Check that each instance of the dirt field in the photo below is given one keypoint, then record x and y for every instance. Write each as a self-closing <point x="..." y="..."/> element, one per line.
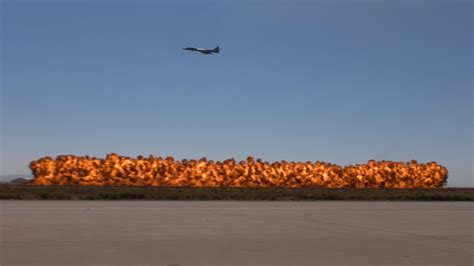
<point x="208" y="233"/>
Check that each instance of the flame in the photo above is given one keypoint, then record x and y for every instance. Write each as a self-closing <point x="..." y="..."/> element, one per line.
<point x="117" y="170"/>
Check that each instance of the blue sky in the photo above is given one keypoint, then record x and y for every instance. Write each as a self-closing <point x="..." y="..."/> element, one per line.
<point x="338" y="82"/>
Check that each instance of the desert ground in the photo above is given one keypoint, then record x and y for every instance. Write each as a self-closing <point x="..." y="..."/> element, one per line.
<point x="183" y="233"/>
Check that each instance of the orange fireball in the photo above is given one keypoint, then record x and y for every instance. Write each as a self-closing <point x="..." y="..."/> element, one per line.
<point x="116" y="170"/>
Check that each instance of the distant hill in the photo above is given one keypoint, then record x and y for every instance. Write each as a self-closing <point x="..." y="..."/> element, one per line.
<point x="8" y="178"/>
<point x="19" y="180"/>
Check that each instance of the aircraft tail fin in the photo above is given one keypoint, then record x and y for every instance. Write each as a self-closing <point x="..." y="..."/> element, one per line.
<point x="217" y="49"/>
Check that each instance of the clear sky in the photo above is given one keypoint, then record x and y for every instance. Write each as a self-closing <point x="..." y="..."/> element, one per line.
<point x="340" y="82"/>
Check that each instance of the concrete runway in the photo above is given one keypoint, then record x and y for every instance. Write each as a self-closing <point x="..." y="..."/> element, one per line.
<point x="235" y="233"/>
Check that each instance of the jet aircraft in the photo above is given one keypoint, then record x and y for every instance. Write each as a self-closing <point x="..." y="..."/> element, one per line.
<point x="202" y="50"/>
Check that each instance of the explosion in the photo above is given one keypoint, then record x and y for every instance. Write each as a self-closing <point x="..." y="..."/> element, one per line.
<point x="115" y="170"/>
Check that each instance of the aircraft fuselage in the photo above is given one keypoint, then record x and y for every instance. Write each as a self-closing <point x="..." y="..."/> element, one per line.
<point x="202" y="50"/>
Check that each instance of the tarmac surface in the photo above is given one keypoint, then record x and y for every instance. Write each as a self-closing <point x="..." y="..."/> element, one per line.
<point x="182" y="233"/>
